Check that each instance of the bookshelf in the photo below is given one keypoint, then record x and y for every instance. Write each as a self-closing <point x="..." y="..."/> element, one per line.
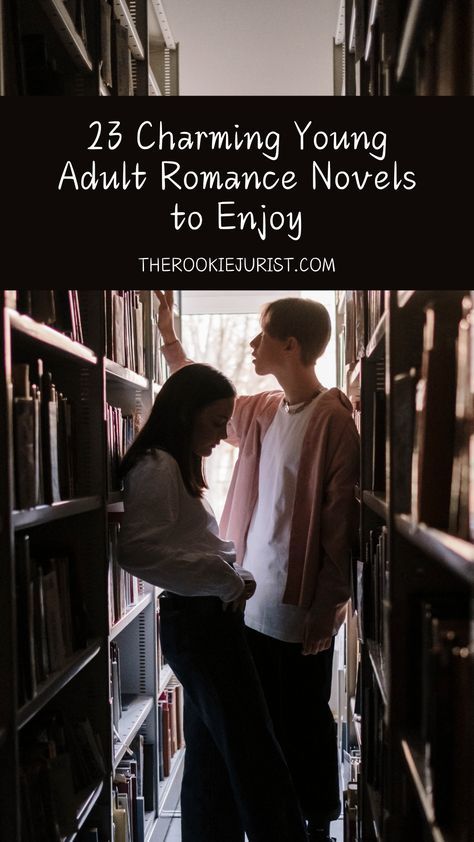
<point x="56" y="562"/>
<point x="413" y="581"/>
<point x="404" y="47"/>
<point x="86" y="48"/>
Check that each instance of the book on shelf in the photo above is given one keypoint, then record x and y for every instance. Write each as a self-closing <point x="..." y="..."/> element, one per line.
<point x="434" y="424"/>
<point x="445" y="718"/>
<point x="461" y="512"/>
<point x="59" y="309"/>
<point x="150" y="773"/>
<point x="55" y="771"/>
<point x="106" y="42"/>
<point x="403" y="427"/>
<point x="27" y="682"/>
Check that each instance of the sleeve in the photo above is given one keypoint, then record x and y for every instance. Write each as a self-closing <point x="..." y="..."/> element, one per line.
<point x="175" y="356"/>
<point x="152" y="546"/>
<point x="339" y="521"/>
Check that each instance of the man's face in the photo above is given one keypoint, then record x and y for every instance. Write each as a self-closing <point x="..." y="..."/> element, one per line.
<point x="267" y="352"/>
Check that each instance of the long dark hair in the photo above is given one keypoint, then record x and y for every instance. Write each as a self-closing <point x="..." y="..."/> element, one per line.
<point x="171" y="421"/>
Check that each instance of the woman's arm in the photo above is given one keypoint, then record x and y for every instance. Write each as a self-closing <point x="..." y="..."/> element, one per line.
<point x="153" y="547"/>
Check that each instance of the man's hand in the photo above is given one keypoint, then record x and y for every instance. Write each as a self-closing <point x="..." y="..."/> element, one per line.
<point x="315" y="639"/>
<point x="165" y="315"/>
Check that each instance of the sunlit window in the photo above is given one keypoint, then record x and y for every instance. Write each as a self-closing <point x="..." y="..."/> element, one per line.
<point x="222" y="340"/>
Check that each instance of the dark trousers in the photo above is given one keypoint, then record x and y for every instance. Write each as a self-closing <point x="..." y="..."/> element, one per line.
<point x="235" y="777"/>
<point x="297" y="690"/>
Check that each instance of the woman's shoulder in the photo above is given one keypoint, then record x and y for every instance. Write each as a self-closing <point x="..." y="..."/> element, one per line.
<point x="156" y="463"/>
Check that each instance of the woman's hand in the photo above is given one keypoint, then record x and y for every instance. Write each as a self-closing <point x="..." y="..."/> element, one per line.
<point x="165" y="315"/>
<point x="250" y="586"/>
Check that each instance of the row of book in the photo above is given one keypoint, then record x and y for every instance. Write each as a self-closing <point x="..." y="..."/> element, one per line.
<point x="61" y="763"/>
<point x="56" y="308"/>
<point x="160" y="368"/>
<point x="170" y="719"/>
<point x="116" y="59"/>
<point x="363" y="311"/>
<point x="134" y="785"/>
<point x="124" y="323"/>
<point x="444" y="52"/>
<point x="124" y="589"/>
<point x="51" y="617"/>
<point x="121" y="430"/>
<point x="115" y="684"/>
<point x="372" y="587"/>
<point x="445" y="717"/>
<point x="44" y="438"/>
<point x="433" y="422"/>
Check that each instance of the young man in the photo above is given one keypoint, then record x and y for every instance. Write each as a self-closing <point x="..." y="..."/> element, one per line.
<point x="291" y="513"/>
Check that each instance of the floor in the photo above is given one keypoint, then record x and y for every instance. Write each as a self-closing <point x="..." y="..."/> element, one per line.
<point x="174" y="832"/>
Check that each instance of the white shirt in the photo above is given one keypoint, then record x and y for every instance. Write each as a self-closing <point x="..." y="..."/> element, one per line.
<point x="268" y="538"/>
<point x="170" y="538"/>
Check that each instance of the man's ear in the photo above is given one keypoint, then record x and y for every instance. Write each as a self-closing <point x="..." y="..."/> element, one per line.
<point x="291" y="344"/>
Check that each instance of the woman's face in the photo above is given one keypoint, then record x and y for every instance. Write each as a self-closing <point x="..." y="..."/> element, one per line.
<point x="210" y="426"/>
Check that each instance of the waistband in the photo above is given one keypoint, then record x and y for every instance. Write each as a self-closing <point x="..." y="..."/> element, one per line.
<point x="200" y="604"/>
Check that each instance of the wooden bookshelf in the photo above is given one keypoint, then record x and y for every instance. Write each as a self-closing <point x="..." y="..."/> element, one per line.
<point x="408" y="47"/>
<point x="416" y="594"/>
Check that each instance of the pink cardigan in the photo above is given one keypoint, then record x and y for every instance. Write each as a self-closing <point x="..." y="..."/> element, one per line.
<point x="324" y="522"/>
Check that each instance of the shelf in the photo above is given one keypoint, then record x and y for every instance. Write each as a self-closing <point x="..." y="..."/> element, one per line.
<point x="166" y="673"/>
<point x="130" y="723"/>
<point x="133" y="612"/>
<point x="86" y="801"/>
<point x="404" y="296"/>
<point x="27" y="518"/>
<point x="372" y="16"/>
<point x="376" y="659"/>
<point x="376" y="502"/>
<point x="118" y="374"/>
<point x="124" y="16"/>
<point x="355" y="374"/>
<point x="456" y="554"/>
<point x="56" y="682"/>
<point x="67" y="32"/>
<point x="419" y="774"/>
<point x="167" y="785"/>
<point x="153" y="86"/>
<point x="412" y="20"/>
<point x="48" y="336"/>
<point x="375" y="809"/>
<point x="376" y="344"/>
<point x="115" y="497"/>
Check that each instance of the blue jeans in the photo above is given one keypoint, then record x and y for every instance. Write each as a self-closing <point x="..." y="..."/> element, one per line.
<point x="235" y="777"/>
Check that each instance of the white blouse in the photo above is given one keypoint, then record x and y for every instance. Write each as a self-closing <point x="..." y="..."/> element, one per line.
<point x="171" y="539"/>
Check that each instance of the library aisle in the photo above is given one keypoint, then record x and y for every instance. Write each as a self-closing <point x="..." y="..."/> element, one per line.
<point x="174" y="832"/>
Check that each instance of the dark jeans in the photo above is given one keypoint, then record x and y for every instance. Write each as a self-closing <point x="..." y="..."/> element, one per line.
<point x="297" y="689"/>
<point x="235" y="777"/>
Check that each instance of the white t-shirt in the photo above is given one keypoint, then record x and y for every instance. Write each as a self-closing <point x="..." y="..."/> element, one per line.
<point x="268" y="538"/>
<point x="170" y="538"/>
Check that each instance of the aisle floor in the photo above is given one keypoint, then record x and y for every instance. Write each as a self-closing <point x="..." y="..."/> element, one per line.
<point x="174" y="832"/>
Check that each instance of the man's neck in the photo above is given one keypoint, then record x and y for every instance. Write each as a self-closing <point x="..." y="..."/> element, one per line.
<point x="299" y="385"/>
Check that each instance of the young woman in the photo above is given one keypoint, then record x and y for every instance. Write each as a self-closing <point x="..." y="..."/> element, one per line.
<point x="235" y="778"/>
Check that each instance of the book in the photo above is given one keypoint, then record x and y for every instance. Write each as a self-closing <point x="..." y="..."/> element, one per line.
<point x="403" y="428"/>
<point x="434" y="424"/>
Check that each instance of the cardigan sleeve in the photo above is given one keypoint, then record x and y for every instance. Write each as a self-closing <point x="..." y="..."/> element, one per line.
<point x="338" y="531"/>
<point x="153" y="547"/>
